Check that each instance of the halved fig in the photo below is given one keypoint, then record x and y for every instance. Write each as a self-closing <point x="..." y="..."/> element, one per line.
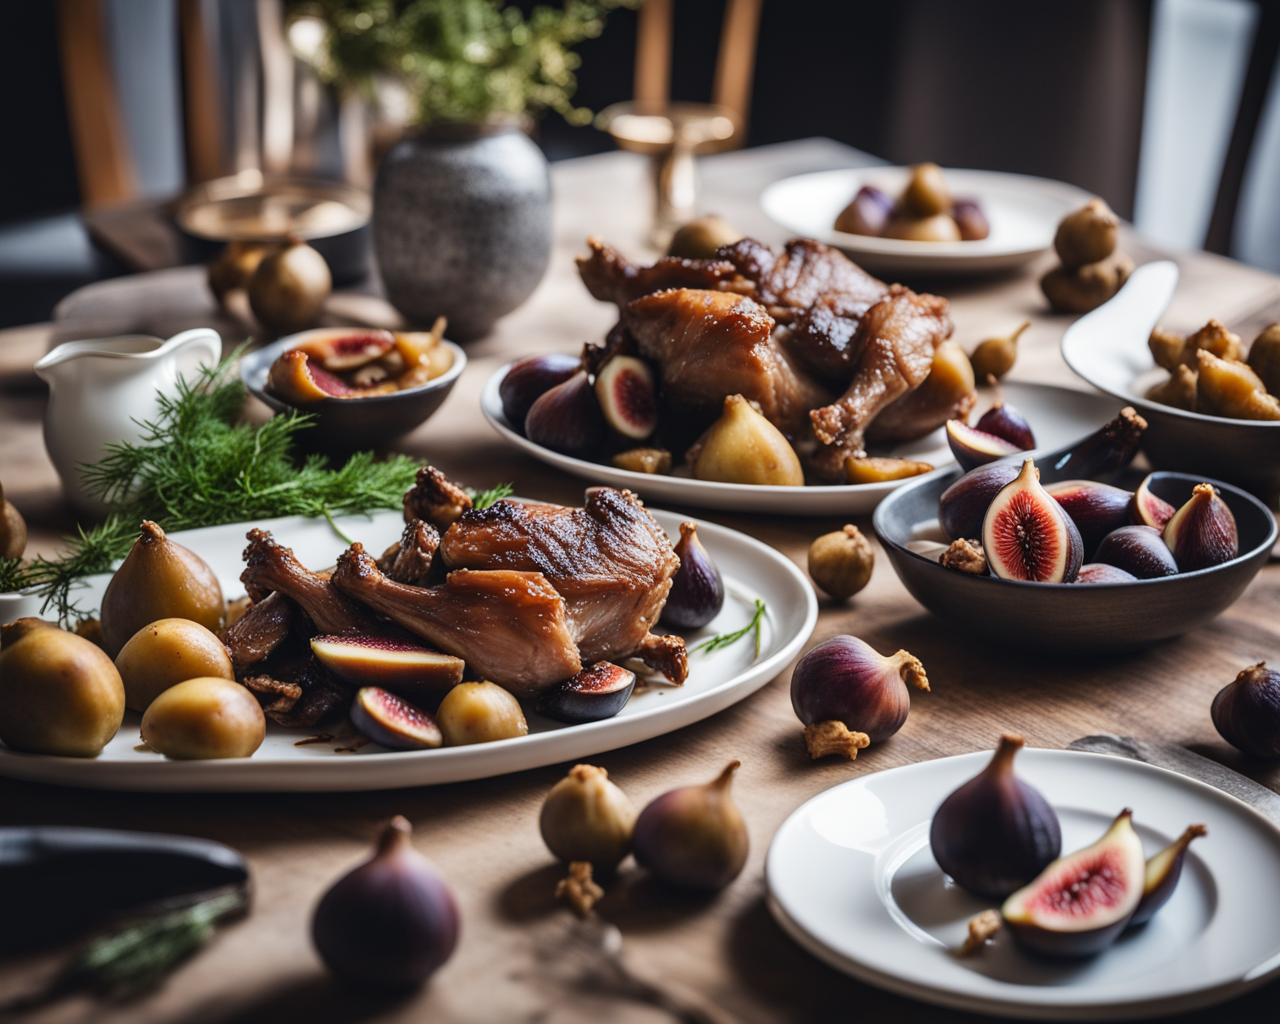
<point x="1095" y="508"/>
<point x="1027" y="536"/>
<point x="392" y="721"/>
<point x="1148" y="510"/>
<point x="599" y="691"/>
<point x="567" y="419"/>
<point x="1138" y="550"/>
<point x="1202" y="533"/>
<point x="1081" y="903"/>
<point x="300" y="380"/>
<point x="964" y="504"/>
<point x="1004" y="421"/>
<point x="628" y="397"/>
<point x="346" y="348"/>
<point x="398" y="665"/>
<point x="973" y="447"/>
<point x="1162" y="874"/>
<point x="530" y="379"/>
<point x="1099" y="572"/>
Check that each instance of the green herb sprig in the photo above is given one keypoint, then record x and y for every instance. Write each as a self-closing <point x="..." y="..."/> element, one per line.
<point x="483" y="499"/>
<point x="725" y="639"/>
<point x="198" y="465"/>
<point x="15" y="575"/>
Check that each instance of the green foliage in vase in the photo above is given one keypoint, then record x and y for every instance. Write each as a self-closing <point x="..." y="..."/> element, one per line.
<point x="461" y="60"/>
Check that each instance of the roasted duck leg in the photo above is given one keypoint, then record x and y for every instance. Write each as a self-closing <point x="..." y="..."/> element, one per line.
<point x="611" y="277"/>
<point x="272" y="567"/>
<point x="508" y="626"/>
<point x="409" y="560"/>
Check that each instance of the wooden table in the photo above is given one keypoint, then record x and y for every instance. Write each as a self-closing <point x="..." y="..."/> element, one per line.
<point x="519" y="958"/>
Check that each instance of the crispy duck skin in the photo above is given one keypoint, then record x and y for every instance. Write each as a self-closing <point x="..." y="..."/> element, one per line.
<point x="610" y="561"/>
<point x="510" y="627"/>
<point x="300" y="695"/>
<point x="707" y="345"/>
<point x="260" y="630"/>
<point x="611" y="277"/>
<point x="789" y="284"/>
<point x="410" y="559"/>
<point x="272" y="567"/>
<point x="435" y="499"/>
<point x="898" y="337"/>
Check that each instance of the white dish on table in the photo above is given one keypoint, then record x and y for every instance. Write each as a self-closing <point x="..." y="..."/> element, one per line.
<point x="1022" y="211"/>
<point x="716" y="680"/>
<point x="1058" y="416"/>
<point x="851" y="878"/>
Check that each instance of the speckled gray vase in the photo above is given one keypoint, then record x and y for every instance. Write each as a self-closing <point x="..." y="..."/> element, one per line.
<point x="462" y="225"/>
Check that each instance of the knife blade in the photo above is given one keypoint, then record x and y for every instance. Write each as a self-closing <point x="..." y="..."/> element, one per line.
<point x="1186" y="762"/>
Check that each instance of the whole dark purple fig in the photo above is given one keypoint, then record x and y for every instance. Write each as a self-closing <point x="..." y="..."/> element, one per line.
<point x="1139" y="551"/>
<point x="1100" y="572"/>
<point x="567" y="419"/>
<point x="529" y="379"/>
<point x="1095" y="508"/>
<point x="390" y="922"/>
<point x="868" y="214"/>
<point x="1202" y="533"/>
<point x="963" y="504"/>
<point x="693" y="837"/>
<point x="697" y="589"/>
<point x="1247" y="712"/>
<point x="995" y="833"/>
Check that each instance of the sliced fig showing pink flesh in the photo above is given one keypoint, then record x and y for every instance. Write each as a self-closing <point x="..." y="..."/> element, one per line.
<point x="393" y="722"/>
<point x="1162" y="874"/>
<point x="964" y="504"/>
<point x="300" y="380"/>
<point x="1027" y="536"/>
<point x="598" y="692"/>
<point x="1148" y="509"/>
<point x="398" y="665"/>
<point x="343" y="350"/>
<point x="1004" y="421"/>
<point x="1081" y="903"/>
<point x="1139" y="551"/>
<point x="628" y="397"/>
<point x="973" y="448"/>
<point x="1202" y="533"/>
<point x="1095" y="508"/>
<point x="1099" y="572"/>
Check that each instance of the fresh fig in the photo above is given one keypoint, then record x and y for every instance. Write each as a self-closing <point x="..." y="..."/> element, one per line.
<point x="694" y="837"/>
<point x="234" y="267"/>
<point x="995" y="833"/>
<point x="1246" y="712"/>
<point x="1095" y="508"/>
<point x="1099" y="572"/>
<point x="480" y="713"/>
<point x="973" y="447"/>
<point x="300" y="380"/>
<point x="1162" y="874"/>
<point x="971" y="221"/>
<point x="1146" y="509"/>
<point x="1027" y="536"/>
<point x="1004" y="421"/>
<point x="598" y="692"/>
<point x="994" y="357"/>
<point x="567" y="418"/>
<point x="343" y="349"/>
<point x="702" y="238"/>
<point x="392" y="721"/>
<point x="400" y="666"/>
<point x="529" y="379"/>
<point x="846" y="681"/>
<point x="743" y="447"/>
<point x="628" y="397"/>
<point x="697" y="589"/>
<point x="868" y="214"/>
<point x="841" y="562"/>
<point x="587" y="817"/>
<point x="1202" y="533"/>
<point x="964" y="504"/>
<point x="1109" y="448"/>
<point x="13" y="529"/>
<point x="873" y="470"/>
<point x="1080" y="904"/>
<point x="1139" y="551"/>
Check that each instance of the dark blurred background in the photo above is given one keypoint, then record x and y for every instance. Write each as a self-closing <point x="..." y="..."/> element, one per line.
<point x="1134" y="100"/>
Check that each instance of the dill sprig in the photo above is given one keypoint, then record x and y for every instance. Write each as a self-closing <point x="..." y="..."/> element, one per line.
<point x="15" y="575"/>
<point x="725" y="639"/>
<point x="198" y="465"/>
<point x="483" y="499"/>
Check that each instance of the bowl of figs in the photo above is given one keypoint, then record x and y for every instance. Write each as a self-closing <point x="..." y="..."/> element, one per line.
<point x="1071" y="551"/>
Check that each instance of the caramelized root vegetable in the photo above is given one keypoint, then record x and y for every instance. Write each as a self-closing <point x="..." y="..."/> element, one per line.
<point x="1264" y="358"/>
<point x="940" y="227"/>
<point x="1086" y="236"/>
<point x="654" y="461"/>
<point x="702" y="238"/>
<point x="13" y="529"/>
<point x="165" y="653"/>
<point x="207" y="717"/>
<point x="479" y="713"/>
<point x="881" y="470"/>
<point x="1178" y="391"/>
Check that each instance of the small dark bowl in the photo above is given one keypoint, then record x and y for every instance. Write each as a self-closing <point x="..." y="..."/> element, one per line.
<point x="1074" y="619"/>
<point x="345" y="425"/>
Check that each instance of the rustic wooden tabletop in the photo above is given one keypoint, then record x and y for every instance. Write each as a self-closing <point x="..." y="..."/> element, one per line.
<point x="522" y="956"/>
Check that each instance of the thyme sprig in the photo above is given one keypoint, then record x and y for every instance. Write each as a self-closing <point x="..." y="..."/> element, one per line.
<point x="199" y="465"/>
<point x="725" y="639"/>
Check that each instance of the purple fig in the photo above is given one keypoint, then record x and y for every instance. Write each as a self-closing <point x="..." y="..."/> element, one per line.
<point x="973" y="447"/>
<point x="697" y="589"/>
<point x="1004" y="421"/>
<point x="1095" y="508"/>
<point x="694" y="837"/>
<point x="392" y="721"/>
<point x="970" y="219"/>
<point x="529" y="379"/>
<point x="964" y="504"/>
<point x="567" y="419"/>
<point x="598" y="692"/>
<point x="1202" y="533"/>
<point x="1139" y="551"/>
<point x="1246" y="712"/>
<point x="868" y="214"/>
<point x="1027" y="536"/>
<point x="628" y="397"/>
<point x="1098" y="572"/>
<point x="1147" y="509"/>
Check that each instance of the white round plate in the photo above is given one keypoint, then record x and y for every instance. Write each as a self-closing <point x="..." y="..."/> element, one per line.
<point x="851" y="879"/>
<point x="1058" y="416"/>
<point x="1023" y="213"/>
<point x="716" y="680"/>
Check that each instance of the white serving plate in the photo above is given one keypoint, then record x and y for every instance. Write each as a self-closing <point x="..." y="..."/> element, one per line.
<point x="851" y="879"/>
<point x="1023" y="213"/>
<point x="716" y="680"/>
<point x="1058" y="416"/>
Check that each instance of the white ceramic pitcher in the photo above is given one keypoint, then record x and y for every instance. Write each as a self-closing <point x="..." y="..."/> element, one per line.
<point x="101" y="391"/>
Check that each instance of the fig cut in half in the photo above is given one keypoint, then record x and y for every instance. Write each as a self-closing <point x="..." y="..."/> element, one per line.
<point x="1147" y="509"/>
<point x="1081" y="903"/>
<point x="628" y="397"/>
<point x="393" y="722"/>
<point x="973" y="447"/>
<point x="598" y="692"/>
<point x="397" y="665"/>
<point x="1163" y="871"/>
<point x="1027" y="536"/>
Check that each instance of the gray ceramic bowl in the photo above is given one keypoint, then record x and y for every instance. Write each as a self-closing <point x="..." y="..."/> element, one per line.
<point x="1074" y="619"/>
<point x="346" y="425"/>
